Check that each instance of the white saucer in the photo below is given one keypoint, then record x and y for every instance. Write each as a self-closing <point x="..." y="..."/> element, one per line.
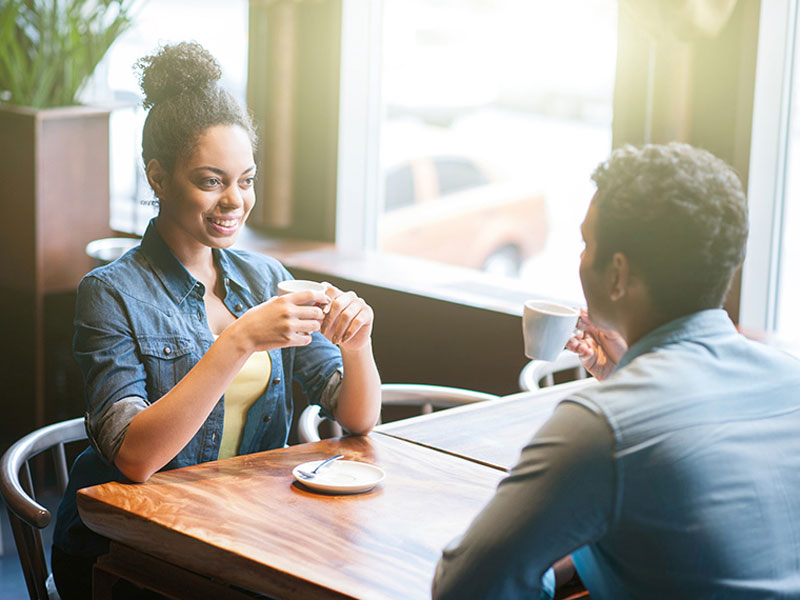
<point x="341" y="476"/>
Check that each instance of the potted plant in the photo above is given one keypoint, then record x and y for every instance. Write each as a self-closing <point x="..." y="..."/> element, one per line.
<point x="54" y="165"/>
<point x="50" y="48"/>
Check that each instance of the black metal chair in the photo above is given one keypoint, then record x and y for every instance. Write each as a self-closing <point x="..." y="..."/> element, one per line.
<point x="27" y="516"/>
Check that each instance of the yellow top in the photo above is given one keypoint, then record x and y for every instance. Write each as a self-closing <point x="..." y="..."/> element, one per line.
<point x="243" y="391"/>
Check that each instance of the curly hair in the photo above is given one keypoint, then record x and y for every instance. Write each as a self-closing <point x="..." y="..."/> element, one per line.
<point x="184" y="99"/>
<point x="679" y="215"/>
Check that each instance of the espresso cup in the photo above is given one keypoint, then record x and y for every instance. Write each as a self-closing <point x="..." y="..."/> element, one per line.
<point x="546" y="327"/>
<point x="300" y="285"/>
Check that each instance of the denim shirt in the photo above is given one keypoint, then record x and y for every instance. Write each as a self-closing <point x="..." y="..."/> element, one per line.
<point x="140" y="327"/>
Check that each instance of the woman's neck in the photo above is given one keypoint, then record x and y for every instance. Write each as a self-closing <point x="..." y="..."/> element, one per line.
<point x="196" y="258"/>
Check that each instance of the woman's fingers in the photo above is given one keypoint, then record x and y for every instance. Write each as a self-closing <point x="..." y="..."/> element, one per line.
<point x="345" y="316"/>
<point x="335" y="309"/>
<point x="348" y="322"/>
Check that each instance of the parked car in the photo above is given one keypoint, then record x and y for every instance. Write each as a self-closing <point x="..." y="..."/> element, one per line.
<point x="451" y="209"/>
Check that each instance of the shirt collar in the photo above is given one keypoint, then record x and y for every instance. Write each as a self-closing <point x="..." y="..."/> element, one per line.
<point x="228" y="268"/>
<point x="173" y="274"/>
<point x="704" y="323"/>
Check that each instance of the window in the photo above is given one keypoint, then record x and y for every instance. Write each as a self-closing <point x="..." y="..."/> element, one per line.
<point x="222" y="32"/>
<point x="399" y="188"/>
<point x="770" y="287"/>
<point x="787" y="323"/>
<point x="502" y="108"/>
<point x="456" y="174"/>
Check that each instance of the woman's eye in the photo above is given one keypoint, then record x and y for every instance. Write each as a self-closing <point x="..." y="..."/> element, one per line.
<point x="211" y="182"/>
<point x="249" y="181"/>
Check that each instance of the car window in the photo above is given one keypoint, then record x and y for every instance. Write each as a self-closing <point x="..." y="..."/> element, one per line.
<point x="399" y="188"/>
<point x="456" y="174"/>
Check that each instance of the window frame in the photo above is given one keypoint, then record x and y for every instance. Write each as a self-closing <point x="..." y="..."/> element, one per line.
<point x="358" y="181"/>
<point x="778" y="25"/>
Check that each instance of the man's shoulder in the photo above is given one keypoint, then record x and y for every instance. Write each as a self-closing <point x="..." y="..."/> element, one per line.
<point x="674" y="388"/>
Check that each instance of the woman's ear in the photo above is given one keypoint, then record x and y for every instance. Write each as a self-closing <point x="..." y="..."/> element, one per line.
<point x="157" y="177"/>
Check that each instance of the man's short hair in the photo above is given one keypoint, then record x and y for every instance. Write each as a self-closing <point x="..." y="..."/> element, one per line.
<point x="679" y="215"/>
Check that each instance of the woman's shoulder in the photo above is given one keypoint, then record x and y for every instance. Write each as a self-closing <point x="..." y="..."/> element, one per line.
<point x="131" y="276"/>
<point x="116" y="271"/>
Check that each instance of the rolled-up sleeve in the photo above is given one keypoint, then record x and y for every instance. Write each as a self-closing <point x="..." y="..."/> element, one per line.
<point x="114" y="377"/>
<point x="318" y="368"/>
<point x="558" y="498"/>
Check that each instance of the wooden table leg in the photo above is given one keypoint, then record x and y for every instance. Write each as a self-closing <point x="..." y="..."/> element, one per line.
<point x="102" y="582"/>
<point x="148" y="572"/>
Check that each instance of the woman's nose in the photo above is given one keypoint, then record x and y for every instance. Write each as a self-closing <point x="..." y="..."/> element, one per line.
<point x="232" y="197"/>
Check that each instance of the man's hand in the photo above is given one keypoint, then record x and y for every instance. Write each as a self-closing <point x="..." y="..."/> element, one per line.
<point x="599" y="349"/>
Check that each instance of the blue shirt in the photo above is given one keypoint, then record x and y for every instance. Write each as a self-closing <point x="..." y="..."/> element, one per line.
<point x="140" y="326"/>
<point x="677" y="477"/>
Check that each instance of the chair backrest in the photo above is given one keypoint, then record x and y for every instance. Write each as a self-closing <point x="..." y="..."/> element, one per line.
<point x="426" y="397"/>
<point x="543" y="373"/>
<point x="27" y="516"/>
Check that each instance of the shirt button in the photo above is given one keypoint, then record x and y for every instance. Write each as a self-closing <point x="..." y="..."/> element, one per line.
<point x="276" y="381"/>
<point x="267" y="419"/>
<point x="213" y="437"/>
<point x="167" y="350"/>
<point x="200" y="314"/>
<point x="238" y="308"/>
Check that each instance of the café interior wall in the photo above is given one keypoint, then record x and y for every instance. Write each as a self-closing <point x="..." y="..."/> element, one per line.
<point x="690" y="84"/>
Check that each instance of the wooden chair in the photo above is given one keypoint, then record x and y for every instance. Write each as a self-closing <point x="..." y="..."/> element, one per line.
<point x="542" y="373"/>
<point x="426" y="397"/>
<point x="27" y="516"/>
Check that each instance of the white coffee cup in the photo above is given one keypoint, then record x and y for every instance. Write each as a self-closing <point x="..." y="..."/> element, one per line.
<point x="301" y="285"/>
<point x="546" y="327"/>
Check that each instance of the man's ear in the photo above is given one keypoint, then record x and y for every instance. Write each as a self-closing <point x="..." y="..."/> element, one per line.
<point x="157" y="177"/>
<point x="619" y="276"/>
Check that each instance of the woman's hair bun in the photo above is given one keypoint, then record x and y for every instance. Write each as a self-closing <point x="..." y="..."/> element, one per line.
<point x="176" y="69"/>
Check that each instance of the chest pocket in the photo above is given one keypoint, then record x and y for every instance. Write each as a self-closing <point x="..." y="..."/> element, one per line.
<point x="166" y="360"/>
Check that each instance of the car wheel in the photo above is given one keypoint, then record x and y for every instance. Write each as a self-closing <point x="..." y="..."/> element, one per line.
<point x="503" y="261"/>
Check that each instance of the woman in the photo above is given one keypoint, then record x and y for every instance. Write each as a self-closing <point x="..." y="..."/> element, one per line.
<point x="188" y="354"/>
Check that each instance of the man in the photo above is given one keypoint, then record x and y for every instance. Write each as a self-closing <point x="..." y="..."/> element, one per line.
<point x="678" y="476"/>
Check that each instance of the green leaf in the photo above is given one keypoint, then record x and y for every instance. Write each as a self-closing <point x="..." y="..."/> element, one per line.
<point x="50" y="48"/>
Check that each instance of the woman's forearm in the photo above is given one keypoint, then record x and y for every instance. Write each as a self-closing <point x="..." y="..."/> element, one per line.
<point x="359" y="403"/>
<point x="158" y="433"/>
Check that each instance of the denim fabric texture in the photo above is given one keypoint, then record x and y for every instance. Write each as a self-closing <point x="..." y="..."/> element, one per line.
<point x="140" y="326"/>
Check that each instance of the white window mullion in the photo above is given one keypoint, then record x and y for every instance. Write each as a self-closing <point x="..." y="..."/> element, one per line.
<point x="358" y="181"/>
<point x="767" y="171"/>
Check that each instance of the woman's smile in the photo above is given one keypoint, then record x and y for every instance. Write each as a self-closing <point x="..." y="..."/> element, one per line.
<point x="225" y="225"/>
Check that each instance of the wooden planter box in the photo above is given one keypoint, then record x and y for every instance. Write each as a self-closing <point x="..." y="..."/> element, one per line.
<point x="54" y="169"/>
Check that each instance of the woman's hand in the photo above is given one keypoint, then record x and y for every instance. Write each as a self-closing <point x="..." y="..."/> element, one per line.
<point x="599" y="349"/>
<point x="284" y="321"/>
<point x="348" y="320"/>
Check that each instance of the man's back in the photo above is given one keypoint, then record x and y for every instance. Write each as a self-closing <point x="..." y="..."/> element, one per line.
<point x="706" y="468"/>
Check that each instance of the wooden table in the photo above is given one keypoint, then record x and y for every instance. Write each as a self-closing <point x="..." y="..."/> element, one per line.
<point x="245" y="522"/>
<point x="491" y="433"/>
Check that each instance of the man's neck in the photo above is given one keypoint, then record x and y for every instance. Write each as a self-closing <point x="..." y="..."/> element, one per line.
<point x="640" y="317"/>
